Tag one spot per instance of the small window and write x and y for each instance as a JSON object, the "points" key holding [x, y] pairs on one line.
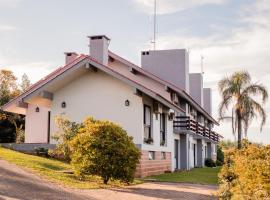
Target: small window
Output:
{"points": [[147, 120], [163, 129], [151, 155], [163, 155]]}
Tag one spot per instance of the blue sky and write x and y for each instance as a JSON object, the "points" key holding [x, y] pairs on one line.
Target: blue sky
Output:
{"points": [[230, 34]]}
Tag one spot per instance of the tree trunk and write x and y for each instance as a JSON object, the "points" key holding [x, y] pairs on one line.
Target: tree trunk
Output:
{"points": [[239, 129]]}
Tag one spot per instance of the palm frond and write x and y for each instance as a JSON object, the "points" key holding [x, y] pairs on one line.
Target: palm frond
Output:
{"points": [[259, 109], [256, 89]]}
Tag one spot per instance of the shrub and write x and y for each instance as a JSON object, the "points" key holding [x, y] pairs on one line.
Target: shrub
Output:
{"points": [[67, 130], [246, 173], [218, 163], [220, 156], [103, 148], [209, 162]]}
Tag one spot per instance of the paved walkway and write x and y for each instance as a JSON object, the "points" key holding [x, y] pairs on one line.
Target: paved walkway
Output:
{"points": [[16, 184]]}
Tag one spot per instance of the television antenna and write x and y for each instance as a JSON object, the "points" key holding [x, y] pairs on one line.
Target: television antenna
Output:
{"points": [[202, 69], [154, 25]]}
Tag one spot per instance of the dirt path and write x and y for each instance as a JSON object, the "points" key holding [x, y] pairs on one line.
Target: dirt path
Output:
{"points": [[16, 183]]}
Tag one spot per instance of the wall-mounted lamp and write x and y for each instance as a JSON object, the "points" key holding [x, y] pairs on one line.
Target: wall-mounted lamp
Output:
{"points": [[127, 103], [37, 109], [64, 104]]}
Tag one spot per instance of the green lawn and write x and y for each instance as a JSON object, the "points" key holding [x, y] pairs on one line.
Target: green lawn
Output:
{"points": [[53, 170], [197, 175]]}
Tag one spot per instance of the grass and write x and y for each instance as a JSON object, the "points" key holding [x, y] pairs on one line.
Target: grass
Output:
{"points": [[52, 170], [197, 175]]}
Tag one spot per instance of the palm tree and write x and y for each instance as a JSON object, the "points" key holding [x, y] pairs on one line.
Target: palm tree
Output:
{"points": [[237, 92]]}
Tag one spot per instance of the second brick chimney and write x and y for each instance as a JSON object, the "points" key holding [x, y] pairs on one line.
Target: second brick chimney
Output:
{"points": [[99, 48]]}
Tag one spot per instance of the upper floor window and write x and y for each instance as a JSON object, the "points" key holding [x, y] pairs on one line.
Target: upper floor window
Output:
{"points": [[163, 125], [147, 120]]}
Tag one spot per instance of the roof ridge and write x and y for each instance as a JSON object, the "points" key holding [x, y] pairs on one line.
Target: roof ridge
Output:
{"points": [[44, 78]]}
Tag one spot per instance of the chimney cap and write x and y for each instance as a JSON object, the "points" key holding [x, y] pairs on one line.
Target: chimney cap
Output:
{"points": [[94, 37], [70, 53]]}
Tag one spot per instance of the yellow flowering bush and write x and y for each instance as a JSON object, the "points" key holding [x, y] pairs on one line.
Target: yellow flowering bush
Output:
{"points": [[245, 174]]}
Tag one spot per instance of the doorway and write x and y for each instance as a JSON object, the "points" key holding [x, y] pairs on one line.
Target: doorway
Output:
{"points": [[194, 154], [176, 154]]}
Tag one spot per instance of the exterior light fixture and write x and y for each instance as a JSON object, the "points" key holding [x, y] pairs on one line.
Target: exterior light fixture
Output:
{"points": [[64, 104], [37, 109], [127, 103]]}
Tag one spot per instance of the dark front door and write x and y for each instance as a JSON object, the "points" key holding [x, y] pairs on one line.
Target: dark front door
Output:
{"points": [[176, 153]]}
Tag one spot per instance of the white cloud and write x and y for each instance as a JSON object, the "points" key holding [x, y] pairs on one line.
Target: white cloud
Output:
{"points": [[171, 6], [9, 3], [246, 47], [35, 70], [5, 28]]}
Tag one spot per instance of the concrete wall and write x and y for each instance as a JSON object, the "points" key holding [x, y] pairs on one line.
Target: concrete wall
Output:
{"points": [[170, 65], [196, 87], [27, 148], [103, 97], [36, 124], [207, 100]]}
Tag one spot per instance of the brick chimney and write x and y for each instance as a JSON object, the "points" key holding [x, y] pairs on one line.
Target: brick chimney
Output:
{"points": [[171, 65], [99, 48], [70, 56], [196, 87]]}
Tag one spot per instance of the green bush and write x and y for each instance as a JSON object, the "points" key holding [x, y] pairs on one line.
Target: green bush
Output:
{"points": [[218, 163], [67, 130], [209, 162], [103, 148], [220, 156], [246, 173]]}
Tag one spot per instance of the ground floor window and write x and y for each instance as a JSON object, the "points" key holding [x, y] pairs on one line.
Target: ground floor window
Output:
{"points": [[147, 120], [163, 155], [151, 155]]}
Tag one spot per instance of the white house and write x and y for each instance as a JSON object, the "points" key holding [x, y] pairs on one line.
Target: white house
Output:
{"points": [[163, 107]]}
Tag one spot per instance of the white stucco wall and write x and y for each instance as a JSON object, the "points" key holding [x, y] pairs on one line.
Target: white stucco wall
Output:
{"points": [[36, 124], [103, 97]]}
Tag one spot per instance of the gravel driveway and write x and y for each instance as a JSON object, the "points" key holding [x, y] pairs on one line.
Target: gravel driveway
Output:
{"points": [[16, 183]]}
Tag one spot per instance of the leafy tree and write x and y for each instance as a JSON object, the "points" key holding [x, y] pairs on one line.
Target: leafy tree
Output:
{"points": [[238, 91], [67, 130], [25, 84], [103, 148], [8, 86], [227, 144], [11, 125]]}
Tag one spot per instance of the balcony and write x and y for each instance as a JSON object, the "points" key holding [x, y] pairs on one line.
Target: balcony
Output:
{"points": [[182, 123]]}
